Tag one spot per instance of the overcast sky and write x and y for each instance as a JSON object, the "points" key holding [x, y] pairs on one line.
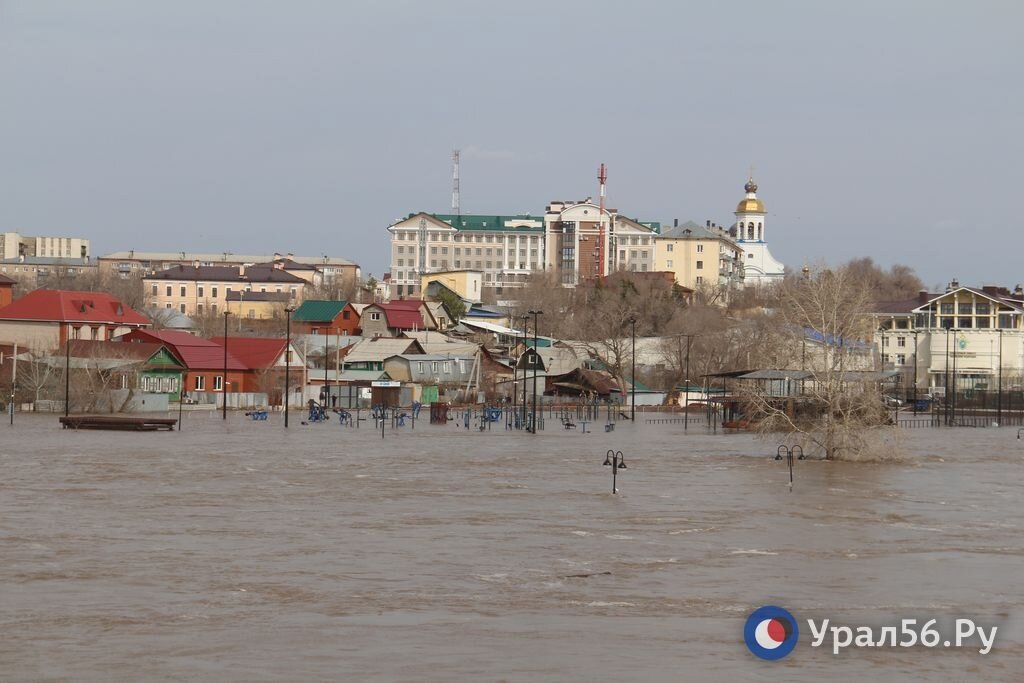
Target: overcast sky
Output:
{"points": [[884, 129]]}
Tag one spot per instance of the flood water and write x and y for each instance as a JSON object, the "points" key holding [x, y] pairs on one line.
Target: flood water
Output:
{"points": [[238, 550]]}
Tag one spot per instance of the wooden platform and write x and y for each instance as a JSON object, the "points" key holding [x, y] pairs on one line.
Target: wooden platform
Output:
{"points": [[118, 422]]}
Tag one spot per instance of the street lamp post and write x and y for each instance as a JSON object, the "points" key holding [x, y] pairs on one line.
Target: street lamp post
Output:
{"points": [[287, 361], [327, 384], [915, 372], [616, 461], [686, 389], [224, 380], [632, 378], [67, 374], [536, 358], [525, 332]]}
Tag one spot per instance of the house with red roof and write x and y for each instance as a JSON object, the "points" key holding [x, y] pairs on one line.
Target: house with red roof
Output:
{"points": [[46, 318], [395, 317], [204, 360], [265, 359]]}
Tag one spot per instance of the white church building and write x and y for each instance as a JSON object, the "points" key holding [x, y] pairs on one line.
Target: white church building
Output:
{"points": [[759, 266]]}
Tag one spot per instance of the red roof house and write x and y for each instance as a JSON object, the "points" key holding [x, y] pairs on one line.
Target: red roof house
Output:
{"points": [[46, 318], [203, 358], [395, 317]]}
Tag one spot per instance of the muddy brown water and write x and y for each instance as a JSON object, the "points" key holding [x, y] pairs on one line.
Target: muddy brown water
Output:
{"points": [[241, 551]]}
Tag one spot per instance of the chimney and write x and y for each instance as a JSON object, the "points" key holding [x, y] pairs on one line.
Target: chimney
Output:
{"points": [[1018, 290], [990, 289], [707, 224], [675, 222], [241, 270], [922, 296], [954, 284]]}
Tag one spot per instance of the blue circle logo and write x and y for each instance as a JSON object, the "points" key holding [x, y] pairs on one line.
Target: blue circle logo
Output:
{"points": [[771, 632]]}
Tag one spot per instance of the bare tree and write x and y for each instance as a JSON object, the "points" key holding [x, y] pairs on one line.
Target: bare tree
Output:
{"points": [[835, 409]]}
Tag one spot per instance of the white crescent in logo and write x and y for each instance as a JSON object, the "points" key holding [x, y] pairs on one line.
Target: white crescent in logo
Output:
{"points": [[762, 636]]}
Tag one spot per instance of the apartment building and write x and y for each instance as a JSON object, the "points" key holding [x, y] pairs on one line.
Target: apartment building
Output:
{"points": [[505, 249], [262, 291], [703, 258], [14, 245], [331, 269]]}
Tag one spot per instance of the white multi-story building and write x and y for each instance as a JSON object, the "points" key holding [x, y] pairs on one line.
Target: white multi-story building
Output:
{"points": [[506, 249], [967, 336], [14, 245]]}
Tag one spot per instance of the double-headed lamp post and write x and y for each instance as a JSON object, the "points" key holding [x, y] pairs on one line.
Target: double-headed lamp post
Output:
{"points": [[535, 359], [632, 379], [616, 461], [287, 361], [224, 380]]}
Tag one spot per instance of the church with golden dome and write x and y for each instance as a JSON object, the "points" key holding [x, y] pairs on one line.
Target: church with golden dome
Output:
{"points": [[759, 266]]}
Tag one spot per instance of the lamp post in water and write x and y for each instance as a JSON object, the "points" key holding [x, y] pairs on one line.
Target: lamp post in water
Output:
{"points": [[536, 360], [616, 461], [287, 361], [632, 379], [525, 333], [224, 380]]}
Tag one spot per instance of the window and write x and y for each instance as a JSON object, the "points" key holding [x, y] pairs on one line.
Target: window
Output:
{"points": [[374, 315], [700, 265], [447, 368], [199, 309], [200, 383], [345, 315], [181, 307], [750, 256], [200, 290], [422, 366], [901, 342], [965, 309], [668, 263], [700, 248], [214, 292], [885, 342], [218, 383], [982, 322], [643, 254], [214, 309], [668, 247], [292, 293], [965, 322], [433, 367], [95, 332], [154, 290], [946, 309], [981, 308], [901, 359], [885, 358], [168, 290], [700, 280], [1006, 321], [182, 290]]}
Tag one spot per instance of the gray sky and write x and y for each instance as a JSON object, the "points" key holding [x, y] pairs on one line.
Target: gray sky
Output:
{"points": [[883, 129]]}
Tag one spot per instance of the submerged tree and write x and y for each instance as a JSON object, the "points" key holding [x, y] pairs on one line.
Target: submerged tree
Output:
{"points": [[821, 328]]}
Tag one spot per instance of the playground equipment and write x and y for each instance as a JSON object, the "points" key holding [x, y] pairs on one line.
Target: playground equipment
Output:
{"points": [[317, 413], [257, 415]]}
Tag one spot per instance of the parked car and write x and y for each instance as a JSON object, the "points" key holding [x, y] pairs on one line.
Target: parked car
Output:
{"points": [[892, 402]]}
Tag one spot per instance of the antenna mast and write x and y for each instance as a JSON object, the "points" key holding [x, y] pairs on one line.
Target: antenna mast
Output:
{"points": [[602, 176], [456, 208]]}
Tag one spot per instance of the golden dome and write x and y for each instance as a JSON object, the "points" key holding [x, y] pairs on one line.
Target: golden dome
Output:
{"points": [[750, 206]]}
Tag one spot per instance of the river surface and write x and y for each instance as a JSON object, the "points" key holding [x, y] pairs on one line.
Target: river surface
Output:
{"points": [[241, 551]]}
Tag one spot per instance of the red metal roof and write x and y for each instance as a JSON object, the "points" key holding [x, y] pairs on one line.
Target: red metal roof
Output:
{"points": [[56, 305], [404, 314], [197, 353], [257, 353]]}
